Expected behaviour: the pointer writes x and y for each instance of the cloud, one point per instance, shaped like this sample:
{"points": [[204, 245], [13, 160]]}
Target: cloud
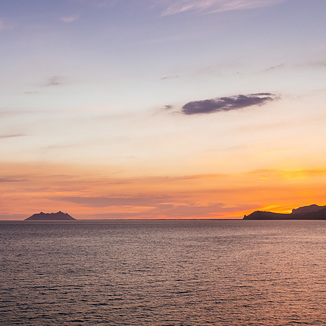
{"points": [[116, 201], [10, 179], [168, 107], [69, 19], [11, 136], [5, 25], [106, 3], [289, 174], [153, 207], [170, 77], [99, 3], [7, 113], [214, 6], [275, 67], [54, 81], [31, 92], [226, 103], [190, 210], [314, 64]]}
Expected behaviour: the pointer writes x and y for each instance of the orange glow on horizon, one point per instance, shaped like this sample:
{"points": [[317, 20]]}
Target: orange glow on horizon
{"points": [[86, 192]]}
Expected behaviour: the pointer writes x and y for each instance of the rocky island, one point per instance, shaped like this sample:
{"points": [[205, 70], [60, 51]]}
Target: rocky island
{"points": [[59, 216], [312, 212]]}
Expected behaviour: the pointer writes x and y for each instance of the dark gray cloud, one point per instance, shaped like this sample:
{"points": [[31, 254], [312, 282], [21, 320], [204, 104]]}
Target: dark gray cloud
{"points": [[227, 103]]}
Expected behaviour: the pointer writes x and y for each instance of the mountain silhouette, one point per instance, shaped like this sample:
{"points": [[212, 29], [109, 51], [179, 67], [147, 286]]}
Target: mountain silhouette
{"points": [[312, 212], [59, 216]]}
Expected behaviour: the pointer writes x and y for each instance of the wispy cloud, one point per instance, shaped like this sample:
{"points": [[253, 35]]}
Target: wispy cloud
{"points": [[6, 113], [154, 207], [191, 210], [5, 24], [275, 67], [4, 136], [226, 103], [168, 107], [289, 174], [10, 180], [214, 6], [170, 77], [69, 19], [313, 64], [99, 3], [54, 81], [105, 3], [116, 201]]}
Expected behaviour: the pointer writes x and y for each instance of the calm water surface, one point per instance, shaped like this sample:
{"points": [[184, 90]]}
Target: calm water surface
{"points": [[218, 272]]}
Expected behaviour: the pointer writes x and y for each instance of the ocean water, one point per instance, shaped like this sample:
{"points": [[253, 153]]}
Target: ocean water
{"points": [[209, 272]]}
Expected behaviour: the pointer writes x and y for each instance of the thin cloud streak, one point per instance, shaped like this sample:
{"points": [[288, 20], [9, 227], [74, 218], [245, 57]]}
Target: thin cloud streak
{"points": [[190, 210], [289, 174], [10, 180], [54, 81], [170, 77], [154, 207], [99, 3], [116, 201], [69, 19], [215, 6], [12, 136]]}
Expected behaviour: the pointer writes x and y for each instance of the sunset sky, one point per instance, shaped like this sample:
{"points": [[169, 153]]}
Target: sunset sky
{"points": [[161, 108]]}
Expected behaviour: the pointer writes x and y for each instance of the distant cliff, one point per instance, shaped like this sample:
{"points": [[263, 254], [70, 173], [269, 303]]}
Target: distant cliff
{"points": [[59, 216], [312, 212]]}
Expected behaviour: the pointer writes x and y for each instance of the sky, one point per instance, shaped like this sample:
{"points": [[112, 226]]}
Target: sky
{"points": [[161, 109]]}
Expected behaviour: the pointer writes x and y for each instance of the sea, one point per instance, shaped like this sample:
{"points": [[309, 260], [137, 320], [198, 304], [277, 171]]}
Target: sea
{"points": [[163, 272]]}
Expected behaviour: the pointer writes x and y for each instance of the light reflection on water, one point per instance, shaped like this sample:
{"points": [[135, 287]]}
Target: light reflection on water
{"points": [[163, 273]]}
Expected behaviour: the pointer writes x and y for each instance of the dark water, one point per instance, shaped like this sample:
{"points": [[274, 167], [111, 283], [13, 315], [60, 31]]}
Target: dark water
{"points": [[163, 273]]}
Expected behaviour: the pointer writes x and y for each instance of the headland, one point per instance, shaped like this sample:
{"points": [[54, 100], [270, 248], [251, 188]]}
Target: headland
{"points": [[312, 212]]}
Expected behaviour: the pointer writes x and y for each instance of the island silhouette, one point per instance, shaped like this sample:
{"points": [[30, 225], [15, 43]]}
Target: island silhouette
{"points": [[59, 216], [312, 212]]}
